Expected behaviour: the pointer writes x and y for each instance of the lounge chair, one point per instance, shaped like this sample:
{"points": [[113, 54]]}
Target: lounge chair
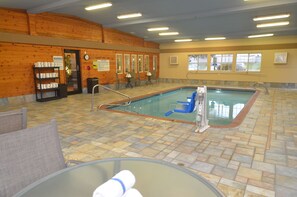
{"points": [[13, 120], [28, 155]]}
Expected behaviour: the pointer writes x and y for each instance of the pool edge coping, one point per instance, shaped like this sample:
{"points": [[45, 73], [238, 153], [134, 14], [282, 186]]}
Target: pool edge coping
{"points": [[236, 122]]}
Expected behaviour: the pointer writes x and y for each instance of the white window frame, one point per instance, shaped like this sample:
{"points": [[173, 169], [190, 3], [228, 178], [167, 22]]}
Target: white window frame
{"points": [[197, 63], [248, 62]]}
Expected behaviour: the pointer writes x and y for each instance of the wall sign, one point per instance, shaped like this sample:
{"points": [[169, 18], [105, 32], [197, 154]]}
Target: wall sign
{"points": [[103, 65], [280, 57], [58, 60]]}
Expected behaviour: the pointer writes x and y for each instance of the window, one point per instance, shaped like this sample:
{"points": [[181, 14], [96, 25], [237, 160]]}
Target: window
{"points": [[197, 62], [146, 63], [127, 62], [221, 62], [248, 62], [119, 63], [134, 63], [140, 63], [155, 62]]}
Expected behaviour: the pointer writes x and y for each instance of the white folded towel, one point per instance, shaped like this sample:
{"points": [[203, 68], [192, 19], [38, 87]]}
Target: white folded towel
{"points": [[116, 186], [132, 193]]}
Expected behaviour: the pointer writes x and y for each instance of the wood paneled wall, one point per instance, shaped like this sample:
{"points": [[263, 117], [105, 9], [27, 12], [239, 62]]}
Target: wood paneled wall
{"points": [[56, 25], [113, 36], [13, 21], [151, 45], [48, 24], [109, 77], [16, 62], [17, 59], [63, 26]]}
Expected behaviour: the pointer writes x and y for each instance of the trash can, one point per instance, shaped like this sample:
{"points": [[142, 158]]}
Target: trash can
{"points": [[91, 82], [62, 93]]}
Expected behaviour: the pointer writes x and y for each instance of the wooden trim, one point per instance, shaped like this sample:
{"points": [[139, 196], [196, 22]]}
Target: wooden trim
{"points": [[64, 42], [103, 35], [232, 48], [14, 9], [31, 24]]}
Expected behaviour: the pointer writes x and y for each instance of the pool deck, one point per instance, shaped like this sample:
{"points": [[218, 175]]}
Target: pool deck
{"points": [[256, 158]]}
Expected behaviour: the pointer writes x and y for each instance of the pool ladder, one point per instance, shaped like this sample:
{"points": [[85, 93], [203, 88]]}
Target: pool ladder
{"points": [[109, 89]]}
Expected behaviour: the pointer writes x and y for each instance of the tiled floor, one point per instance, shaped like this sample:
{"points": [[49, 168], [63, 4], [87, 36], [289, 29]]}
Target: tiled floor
{"points": [[258, 158]]}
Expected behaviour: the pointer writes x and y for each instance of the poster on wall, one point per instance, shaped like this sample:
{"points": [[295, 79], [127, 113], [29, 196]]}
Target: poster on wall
{"points": [[280, 58], [95, 64], [101, 65], [58, 61]]}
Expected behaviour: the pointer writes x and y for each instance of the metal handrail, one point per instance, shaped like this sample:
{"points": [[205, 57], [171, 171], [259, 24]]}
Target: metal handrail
{"points": [[261, 84], [98, 85]]}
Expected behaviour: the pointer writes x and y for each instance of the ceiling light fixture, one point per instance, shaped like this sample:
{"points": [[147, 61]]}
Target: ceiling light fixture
{"points": [[273, 24], [129, 16], [183, 40], [215, 38], [263, 18], [168, 34], [260, 35], [158, 29], [99, 6]]}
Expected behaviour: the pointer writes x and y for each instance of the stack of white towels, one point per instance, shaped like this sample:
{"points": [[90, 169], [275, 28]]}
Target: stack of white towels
{"points": [[118, 186]]}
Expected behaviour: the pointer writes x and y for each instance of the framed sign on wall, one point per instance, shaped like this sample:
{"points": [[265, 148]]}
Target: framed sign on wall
{"points": [[280, 57]]}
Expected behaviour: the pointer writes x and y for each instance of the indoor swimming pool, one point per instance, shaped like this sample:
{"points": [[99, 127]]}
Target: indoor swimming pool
{"points": [[223, 105]]}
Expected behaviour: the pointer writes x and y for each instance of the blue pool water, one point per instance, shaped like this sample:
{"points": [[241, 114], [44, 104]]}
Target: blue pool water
{"points": [[223, 105]]}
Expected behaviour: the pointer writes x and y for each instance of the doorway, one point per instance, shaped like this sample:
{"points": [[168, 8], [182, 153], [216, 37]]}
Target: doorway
{"points": [[72, 71]]}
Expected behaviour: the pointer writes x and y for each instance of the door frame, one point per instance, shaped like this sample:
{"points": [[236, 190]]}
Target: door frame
{"points": [[78, 68]]}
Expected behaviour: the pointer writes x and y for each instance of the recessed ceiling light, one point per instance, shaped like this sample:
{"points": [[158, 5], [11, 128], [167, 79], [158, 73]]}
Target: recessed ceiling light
{"points": [[158, 29], [183, 40], [263, 18], [215, 38], [168, 34], [273, 24], [260, 35], [129, 16], [99, 6]]}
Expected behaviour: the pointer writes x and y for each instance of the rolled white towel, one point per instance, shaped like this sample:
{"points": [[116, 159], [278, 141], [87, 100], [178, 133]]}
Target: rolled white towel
{"points": [[116, 186], [132, 193]]}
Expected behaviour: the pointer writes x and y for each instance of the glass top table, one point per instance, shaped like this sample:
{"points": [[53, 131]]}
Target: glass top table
{"points": [[154, 178]]}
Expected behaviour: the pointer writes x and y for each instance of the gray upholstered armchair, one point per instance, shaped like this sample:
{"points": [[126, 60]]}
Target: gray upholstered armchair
{"points": [[13, 120], [28, 155]]}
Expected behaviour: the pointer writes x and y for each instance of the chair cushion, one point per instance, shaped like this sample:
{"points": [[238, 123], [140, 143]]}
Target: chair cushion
{"points": [[28, 155]]}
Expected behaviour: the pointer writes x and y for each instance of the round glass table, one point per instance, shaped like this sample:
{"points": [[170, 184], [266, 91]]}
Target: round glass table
{"points": [[154, 178]]}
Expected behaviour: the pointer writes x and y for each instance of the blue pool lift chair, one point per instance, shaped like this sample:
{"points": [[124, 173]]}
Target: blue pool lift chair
{"points": [[186, 106]]}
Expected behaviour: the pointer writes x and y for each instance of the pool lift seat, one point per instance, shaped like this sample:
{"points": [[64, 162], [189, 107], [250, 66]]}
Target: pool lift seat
{"points": [[197, 100], [186, 106]]}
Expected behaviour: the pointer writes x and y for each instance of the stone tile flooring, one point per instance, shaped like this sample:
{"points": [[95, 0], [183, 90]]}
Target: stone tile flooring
{"points": [[258, 158]]}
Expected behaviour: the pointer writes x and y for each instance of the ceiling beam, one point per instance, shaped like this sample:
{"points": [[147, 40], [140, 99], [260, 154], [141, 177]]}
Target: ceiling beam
{"points": [[217, 12], [51, 6]]}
